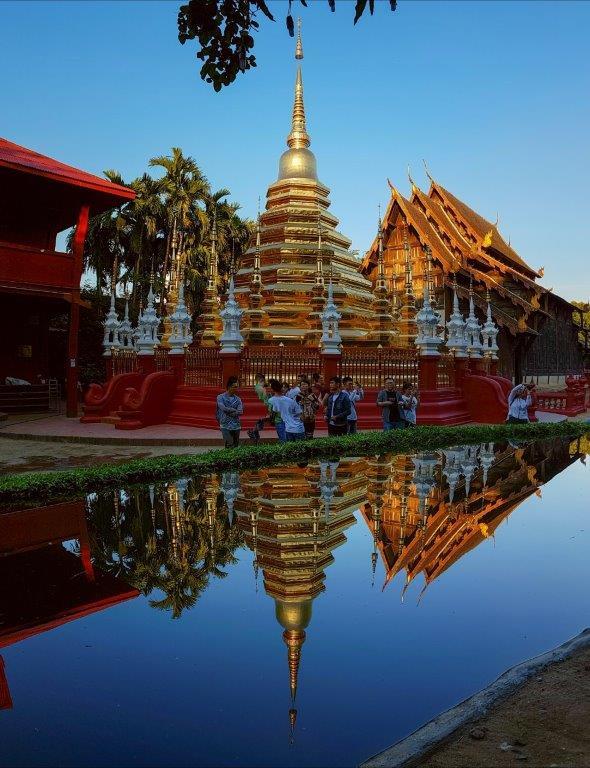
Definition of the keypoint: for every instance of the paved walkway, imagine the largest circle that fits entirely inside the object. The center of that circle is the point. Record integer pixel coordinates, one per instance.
(38, 443)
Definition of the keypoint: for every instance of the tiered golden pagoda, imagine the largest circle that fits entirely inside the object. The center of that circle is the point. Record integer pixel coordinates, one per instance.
(299, 244)
(293, 518)
(209, 320)
(172, 282)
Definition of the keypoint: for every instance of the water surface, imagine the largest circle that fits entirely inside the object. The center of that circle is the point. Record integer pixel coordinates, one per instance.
(292, 616)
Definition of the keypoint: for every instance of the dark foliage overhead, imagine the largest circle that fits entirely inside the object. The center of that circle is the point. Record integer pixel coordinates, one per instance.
(225, 29)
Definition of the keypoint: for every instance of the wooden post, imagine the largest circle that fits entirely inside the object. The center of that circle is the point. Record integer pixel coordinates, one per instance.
(72, 361)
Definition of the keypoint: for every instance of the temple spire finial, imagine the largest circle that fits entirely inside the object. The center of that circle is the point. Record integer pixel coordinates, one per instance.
(298, 137)
(299, 45)
(428, 172)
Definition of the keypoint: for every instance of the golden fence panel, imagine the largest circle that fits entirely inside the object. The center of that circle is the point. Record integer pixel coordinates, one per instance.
(370, 367)
(202, 367)
(124, 361)
(445, 372)
(282, 363)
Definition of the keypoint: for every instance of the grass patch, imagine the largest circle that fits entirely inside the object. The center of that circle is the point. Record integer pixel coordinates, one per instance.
(48, 485)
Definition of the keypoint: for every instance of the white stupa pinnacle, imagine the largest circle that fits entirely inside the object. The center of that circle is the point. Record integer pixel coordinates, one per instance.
(427, 320)
(469, 466)
(331, 340)
(111, 338)
(231, 315)
(230, 487)
(489, 333)
(148, 325)
(125, 327)
(473, 329)
(456, 342)
(180, 320)
(487, 458)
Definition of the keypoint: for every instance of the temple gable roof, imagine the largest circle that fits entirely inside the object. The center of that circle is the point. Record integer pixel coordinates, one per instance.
(487, 233)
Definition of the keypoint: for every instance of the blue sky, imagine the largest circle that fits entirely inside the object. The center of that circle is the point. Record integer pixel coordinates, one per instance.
(493, 94)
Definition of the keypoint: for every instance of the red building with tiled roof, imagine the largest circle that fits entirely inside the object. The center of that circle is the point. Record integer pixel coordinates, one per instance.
(39, 198)
(537, 332)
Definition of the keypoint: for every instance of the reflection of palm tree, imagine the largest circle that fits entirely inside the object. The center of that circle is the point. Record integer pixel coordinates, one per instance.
(177, 559)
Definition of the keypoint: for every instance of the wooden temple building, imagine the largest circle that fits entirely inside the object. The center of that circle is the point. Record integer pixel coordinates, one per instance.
(39, 198)
(438, 231)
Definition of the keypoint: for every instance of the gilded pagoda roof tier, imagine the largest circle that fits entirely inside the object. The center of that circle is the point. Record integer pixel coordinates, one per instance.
(296, 233)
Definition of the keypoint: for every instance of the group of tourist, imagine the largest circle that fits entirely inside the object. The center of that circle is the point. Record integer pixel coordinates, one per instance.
(292, 409)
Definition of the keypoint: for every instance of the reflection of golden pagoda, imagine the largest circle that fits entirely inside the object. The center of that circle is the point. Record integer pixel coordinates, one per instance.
(293, 518)
(428, 526)
(281, 284)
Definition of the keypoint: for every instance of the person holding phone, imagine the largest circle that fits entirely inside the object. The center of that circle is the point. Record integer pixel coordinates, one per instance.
(519, 401)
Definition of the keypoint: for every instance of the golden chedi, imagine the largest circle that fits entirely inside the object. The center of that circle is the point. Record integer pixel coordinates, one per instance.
(297, 250)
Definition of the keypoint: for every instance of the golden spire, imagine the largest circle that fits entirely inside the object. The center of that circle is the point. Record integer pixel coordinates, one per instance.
(381, 281)
(212, 281)
(298, 137)
(299, 46)
(256, 283)
(298, 162)
(294, 639)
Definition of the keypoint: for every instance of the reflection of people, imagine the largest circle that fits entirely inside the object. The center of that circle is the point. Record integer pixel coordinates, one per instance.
(519, 401)
(409, 404)
(290, 412)
(229, 410)
(355, 393)
(389, 402)
(338, 407)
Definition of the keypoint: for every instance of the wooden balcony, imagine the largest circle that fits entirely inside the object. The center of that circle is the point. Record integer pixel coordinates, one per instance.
(25, 269)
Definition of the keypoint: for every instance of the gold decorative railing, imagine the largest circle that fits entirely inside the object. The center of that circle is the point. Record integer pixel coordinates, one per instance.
(161, 359)
(445, 372)
(202, 367)
(370, 367)
(282, 363)
(124, 361)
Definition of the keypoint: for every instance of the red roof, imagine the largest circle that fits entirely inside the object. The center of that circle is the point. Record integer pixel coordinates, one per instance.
(22, 159)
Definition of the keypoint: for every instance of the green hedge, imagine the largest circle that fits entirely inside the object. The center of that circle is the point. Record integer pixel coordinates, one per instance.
(46, 485)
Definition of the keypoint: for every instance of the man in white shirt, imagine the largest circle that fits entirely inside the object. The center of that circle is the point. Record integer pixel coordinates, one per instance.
(290, 412)
(519, 402)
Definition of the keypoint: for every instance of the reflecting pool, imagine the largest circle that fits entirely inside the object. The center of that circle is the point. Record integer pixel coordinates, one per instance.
(291, 616)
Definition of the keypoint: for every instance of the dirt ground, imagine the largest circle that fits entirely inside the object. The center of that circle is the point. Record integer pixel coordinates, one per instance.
(545, 724)
(41, 456)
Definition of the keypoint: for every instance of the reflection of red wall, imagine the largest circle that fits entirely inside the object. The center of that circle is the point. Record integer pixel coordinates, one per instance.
(5, 699)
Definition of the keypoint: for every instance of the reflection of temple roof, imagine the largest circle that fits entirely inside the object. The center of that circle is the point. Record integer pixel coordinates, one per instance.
(451, 530)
